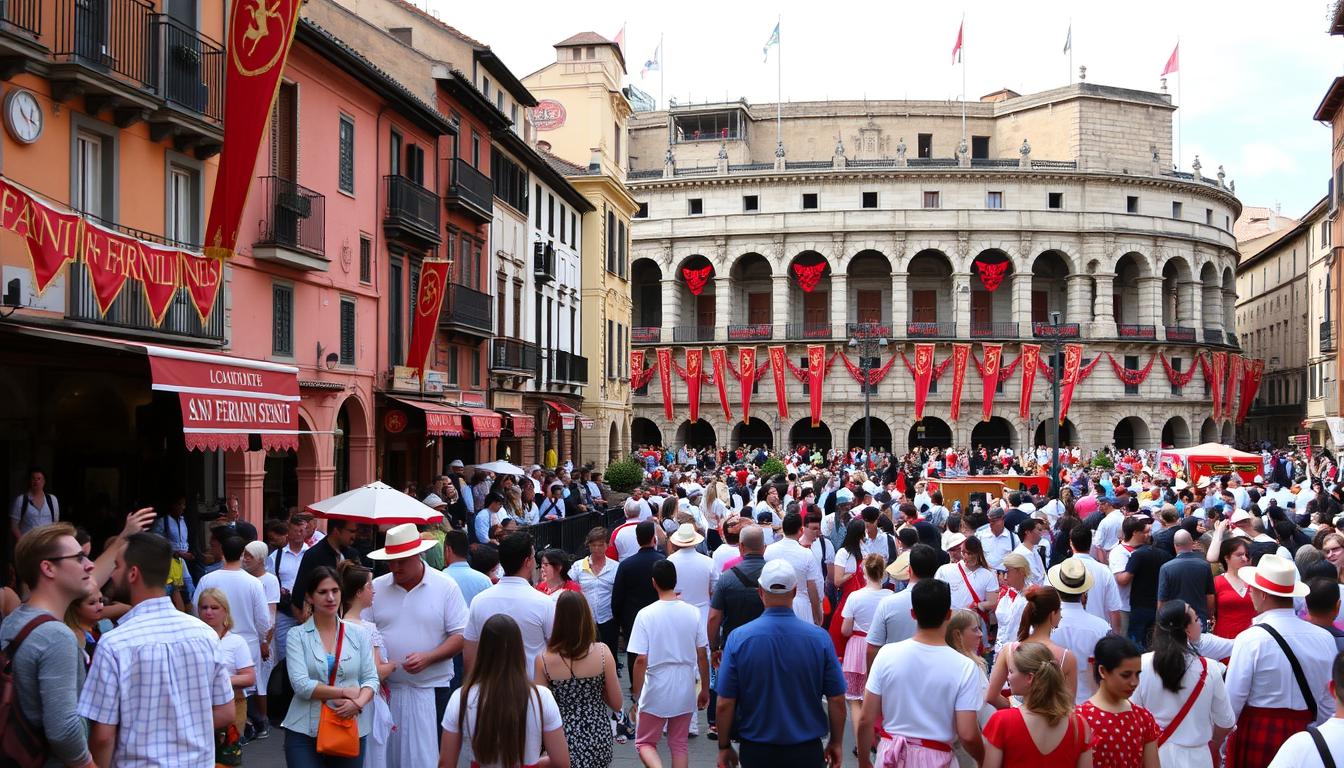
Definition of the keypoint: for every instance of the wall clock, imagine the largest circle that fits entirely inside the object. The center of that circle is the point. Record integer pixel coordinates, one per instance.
(23, 116)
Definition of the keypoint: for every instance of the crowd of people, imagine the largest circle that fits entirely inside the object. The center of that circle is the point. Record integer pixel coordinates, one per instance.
(1134, 616)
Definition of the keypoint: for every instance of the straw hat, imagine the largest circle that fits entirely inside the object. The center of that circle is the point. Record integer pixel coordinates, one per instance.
(1276, 576)
(402, 541)
(900, 567)
(686, 536)
(1070, 577)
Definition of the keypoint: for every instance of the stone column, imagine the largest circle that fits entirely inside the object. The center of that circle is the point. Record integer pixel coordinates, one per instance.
(779, 298)
(245, 475)
(961, 304)
(900, 303)
(1150, 300)
(1187, 303)
(723, 308)
(1229, 310)
(361, 452)
(839, 303)
(671, 307)
(1076, 309)
(1103, 308)
(1022, 302)
(1212, 304)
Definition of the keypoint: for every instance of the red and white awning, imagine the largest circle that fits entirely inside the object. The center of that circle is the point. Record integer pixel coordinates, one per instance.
(440, 420)
(484, 423)
(225, 399)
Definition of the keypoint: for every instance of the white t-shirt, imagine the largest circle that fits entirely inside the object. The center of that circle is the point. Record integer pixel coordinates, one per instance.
(1109, 530)
(985, 582)
(233, 653)
(539, 721)
(247, 604)
(663, 633)
(845, 562)
(948, 682)
(723, 554)
(805, 567)
(1299, 751)
(270, 586)
(514, 596)
(862, 605)
(695, 578)
(624, 540)
(1008, 613)
(1117, 559)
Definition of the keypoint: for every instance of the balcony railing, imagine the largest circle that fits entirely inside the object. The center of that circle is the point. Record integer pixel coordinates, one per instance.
(720, 135)
(411, 210)
(751, 332)
(568, 368)
(918, 330)
(693, 333)
(1043, 330)
(471, 190)
(467, 309)
(1214, 336)
(578, 369)
(1132, 331)
(513, 355)
(189, 67)
(293, 217)
(130, 310)
(543, 261)
(25, 15)
(1327, 336)
(868, 330)
(994, 330)
(110, 36)
(808, 331)
(1180, 333)
(646, 334)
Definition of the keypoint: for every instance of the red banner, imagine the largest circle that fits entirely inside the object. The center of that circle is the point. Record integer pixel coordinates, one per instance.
(428, 302)
(1031, 360)
(696, 279)
(257, 43)
(1073, 361)
(1255, 370)
(1233, 380)
(202, 276)
(923, 370)
(1179, 378)
(665, 379)
(1219, 365)
(746, 361)
(778, 365)
(989, 372)
(816, 374)
(110, 257)
(992, 272)
(960, 353)
(809, 275)
(52, 237)
(718, 357)
(157, 273)
(223, 402)
(695, 368)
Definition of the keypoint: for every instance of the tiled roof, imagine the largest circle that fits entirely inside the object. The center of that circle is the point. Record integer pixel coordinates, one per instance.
(585, 38)
(562, 166)
(1257, 221)
(436, 22)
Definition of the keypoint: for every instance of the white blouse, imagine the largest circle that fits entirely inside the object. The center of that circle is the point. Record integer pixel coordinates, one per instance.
(1212, 708)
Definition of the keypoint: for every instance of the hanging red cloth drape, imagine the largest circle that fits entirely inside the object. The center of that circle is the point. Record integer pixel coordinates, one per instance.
(875, 375)
(1129, 376)
(1255, 370)
(695, 367)
(1073, 361)
(1031, 360)
(816, 373)
(697, 279)
(665, 379)
(1179, 378)
(778, 364)
(1233, 381)
(923, 371)
(989, 373)
(746, 361)
(718, 357)
(1216, 384)
(959, 354)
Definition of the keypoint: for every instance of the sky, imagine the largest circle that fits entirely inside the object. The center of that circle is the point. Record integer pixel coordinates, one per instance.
(1251, 74)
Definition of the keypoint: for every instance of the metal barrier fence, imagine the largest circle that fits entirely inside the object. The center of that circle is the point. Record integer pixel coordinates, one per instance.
(568, 533)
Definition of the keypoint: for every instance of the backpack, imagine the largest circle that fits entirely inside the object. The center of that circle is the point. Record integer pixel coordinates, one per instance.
(20, 741)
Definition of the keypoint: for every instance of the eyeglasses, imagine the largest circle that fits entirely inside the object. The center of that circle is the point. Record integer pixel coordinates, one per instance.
(80, 556)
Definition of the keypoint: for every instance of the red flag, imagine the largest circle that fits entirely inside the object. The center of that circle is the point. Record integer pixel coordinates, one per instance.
(157, 273)
(923, 375)
(1249, 386)
(960, 354)
(695, 366)
(1173, 61)
(1073, 361)
(428, 302)
(956, 47)
(665, 379)
(1031, 358)
(1218, 364)
(816, 372)
(777, 365)
(1232, 381)
(202, 275)
(109, 257)
(990, 373)
(52, 237)
(718, 357)
(258, 43)
(746, 365)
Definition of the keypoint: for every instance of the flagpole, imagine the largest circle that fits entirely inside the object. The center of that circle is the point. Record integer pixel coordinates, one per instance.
(1180, 106)
(662, 70)
(1070, 42)
(779, 85)
(962, 53)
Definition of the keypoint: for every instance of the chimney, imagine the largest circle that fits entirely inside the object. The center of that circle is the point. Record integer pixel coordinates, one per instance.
(543, 145)
(595, 162)
(1274, 219)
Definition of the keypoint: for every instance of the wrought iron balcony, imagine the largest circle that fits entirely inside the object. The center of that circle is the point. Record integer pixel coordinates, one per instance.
(1180, 333)
(568, 368)
(21, 16)
(471, 191)
(994, 330)
(293, 225)
(1327, 336)
(693, 333)
(543, 261)
(646, 334)
(190, 68)
(808, 331)
(131, 311)
(1232, 340)
(1214, 336)
(869, 330)
(111, 37)
(1043, 330)
(513, 356)
(751, 332)
(467, 310)
(1133, 331)
(412, 214)
(578, 369)
(920, 330)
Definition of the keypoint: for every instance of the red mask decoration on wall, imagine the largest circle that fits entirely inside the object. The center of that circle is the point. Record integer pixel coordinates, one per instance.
(992, 273)
(697, 279)
(809, 275)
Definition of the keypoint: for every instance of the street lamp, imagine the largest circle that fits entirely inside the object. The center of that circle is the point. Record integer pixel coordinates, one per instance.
(864, 343)
(1057, 367)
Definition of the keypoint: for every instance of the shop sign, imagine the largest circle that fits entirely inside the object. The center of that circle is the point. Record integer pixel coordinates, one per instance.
(394, 421)
(404, 379)
(435, 381)
(548, 115)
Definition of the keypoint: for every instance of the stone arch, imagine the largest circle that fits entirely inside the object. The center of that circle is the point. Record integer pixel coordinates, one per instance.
(996, 433)
(697, 311)
(811, 309)
(803, 433)
(1176, 277)
(645, 432)
(868, 289)
(930, 432)
(1176, 433)
(1068, 433)
(1130, 268)
(352, 445)
(699, 434)
(1229, 300)
(1050, 271)
(878, 429)
(751, 281)
(613, 441)
(1226, 437)
(1208, 431)
(1131, 432)
(929, 287)
(754, 432)
(646, 293)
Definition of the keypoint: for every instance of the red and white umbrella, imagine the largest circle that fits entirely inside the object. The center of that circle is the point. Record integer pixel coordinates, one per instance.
(376, 504)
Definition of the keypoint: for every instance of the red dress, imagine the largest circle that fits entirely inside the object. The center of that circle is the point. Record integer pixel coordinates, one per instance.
(1234, 611)
(1007, 730)
(1118, 738)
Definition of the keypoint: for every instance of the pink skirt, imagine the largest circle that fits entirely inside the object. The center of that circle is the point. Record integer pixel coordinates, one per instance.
(898, 753)
(856, 654)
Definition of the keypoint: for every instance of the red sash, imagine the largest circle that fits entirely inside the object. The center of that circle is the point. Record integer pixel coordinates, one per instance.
(1185, 708)
(975, 600)
(853, 584)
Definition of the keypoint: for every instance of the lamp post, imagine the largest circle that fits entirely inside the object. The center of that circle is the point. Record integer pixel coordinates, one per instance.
(867, 344)
(1057, 367)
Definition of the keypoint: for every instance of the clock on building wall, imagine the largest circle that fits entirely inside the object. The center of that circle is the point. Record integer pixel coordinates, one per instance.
(23, 116)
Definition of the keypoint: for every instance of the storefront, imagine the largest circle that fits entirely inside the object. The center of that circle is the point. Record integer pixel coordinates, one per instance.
(563, 422)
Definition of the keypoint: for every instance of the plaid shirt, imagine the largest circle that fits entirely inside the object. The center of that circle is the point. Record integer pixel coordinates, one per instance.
(156, 677)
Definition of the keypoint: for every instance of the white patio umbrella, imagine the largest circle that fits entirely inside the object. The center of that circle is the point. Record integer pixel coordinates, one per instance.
(376, 504)
(502, 468)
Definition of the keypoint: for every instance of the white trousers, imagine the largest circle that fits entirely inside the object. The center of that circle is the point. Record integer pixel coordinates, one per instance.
(415, 742)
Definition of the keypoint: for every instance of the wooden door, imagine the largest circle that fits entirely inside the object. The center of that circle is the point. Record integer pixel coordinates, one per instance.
(758, 308)
(982, 307)
(925, 306)
(1118, 304)
(1040, 307)
(704, 311)
(816, 308)
(870, 306)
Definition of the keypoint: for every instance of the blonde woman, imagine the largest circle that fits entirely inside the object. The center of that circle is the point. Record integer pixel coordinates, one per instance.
(212, 607)
(716, 510)
(1044, 732)
(1041, 613)
(965, 635)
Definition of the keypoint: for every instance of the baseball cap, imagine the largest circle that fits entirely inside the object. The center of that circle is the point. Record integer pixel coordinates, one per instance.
(456, 464)
(778, 577)
(844, 496)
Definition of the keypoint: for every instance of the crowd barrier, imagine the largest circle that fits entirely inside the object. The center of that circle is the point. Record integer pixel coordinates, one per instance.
(568, 533)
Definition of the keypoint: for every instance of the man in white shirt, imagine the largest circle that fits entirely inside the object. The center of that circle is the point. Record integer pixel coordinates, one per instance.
(892, 621)
(247, 600)
(695, 572)
(875, 540)
(807, 600)
(1301, 750)
(284, 563)
(513, 595)
(1103, 601)
(1029, 531)
(421, 614)
(932, 714)
(1108, 531)
(1078, 631)
(623, 542)
(996, 538)
(1135, 532)
(1261, 685)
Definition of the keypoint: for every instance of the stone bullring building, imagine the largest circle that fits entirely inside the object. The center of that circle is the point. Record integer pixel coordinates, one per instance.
(853, 220)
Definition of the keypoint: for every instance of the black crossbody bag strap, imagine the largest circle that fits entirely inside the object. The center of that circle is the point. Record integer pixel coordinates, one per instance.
(1327, 759)
(1297, 669)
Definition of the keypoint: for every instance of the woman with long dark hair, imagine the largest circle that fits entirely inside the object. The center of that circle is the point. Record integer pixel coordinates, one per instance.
(1232, 608)
(485, 723)
(1126, 734)
(1173, 674)
(581, 673)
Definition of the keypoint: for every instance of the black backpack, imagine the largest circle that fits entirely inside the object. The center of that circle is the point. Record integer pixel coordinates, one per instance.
(24, 745)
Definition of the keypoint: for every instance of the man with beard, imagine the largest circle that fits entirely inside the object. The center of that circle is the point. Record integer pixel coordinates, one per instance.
(156, 692)
(330, 550)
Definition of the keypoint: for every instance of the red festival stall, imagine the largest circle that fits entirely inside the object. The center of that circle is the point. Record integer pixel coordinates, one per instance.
(1212, 459)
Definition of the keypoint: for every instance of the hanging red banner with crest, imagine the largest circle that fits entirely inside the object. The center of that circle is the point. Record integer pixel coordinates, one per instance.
(1031, 360)
(695, 369)
(746, 363)
(992, 272)
(718, 357)
(697, 279)
(816, 374)
(778, 367)
(1073, 361)
(1255, 370)
(923, 375)
(157, 273)
(1232, 382)
(809, 275)
(665, 379)
(202, 275)
(1219, 367)
(428, 301)
(960, 354)
(52, 237)
(989, 372)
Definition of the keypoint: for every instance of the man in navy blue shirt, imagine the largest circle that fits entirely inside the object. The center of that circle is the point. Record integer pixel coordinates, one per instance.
(773, 671)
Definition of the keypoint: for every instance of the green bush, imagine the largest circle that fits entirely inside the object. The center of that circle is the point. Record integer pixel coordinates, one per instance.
(772, 467)
(624, 475)
(1103, 460)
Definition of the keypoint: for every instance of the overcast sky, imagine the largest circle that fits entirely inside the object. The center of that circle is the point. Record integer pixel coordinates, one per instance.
(1251, 74)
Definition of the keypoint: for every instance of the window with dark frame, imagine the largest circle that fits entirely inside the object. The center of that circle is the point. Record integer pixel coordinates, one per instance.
(1132, 363)
(550, 214)
(346, 155)
(809, 201)
(924, 145)
(1054, 200)
(282, 320)
(1176, 366)
(643, 212)
(994, 200)
(695, 206)
(1132, 204)
(537, 214)
(365, 259)
(395, 314)
(751, 203)
(573, 230)
(347, 331)
(869, 200)
(1176, 209)
(931, 200)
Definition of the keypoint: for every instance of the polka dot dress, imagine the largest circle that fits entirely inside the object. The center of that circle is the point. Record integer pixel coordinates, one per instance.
(1119, 737)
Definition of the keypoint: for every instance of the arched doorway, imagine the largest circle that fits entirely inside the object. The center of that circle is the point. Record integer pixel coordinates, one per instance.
(754, 433)
(753, 294)
(803, 433)
(1049, 287)
(280, 488)
(694, 294)
(1226, 438)
(1131, 432)
(996, 433)
(931, 432)
(810, 295)
(1177, 280)
(696, 435)
(644, 432)
(870, 292)
(1128, 270)
(991, 293)
(646, 293)
(1068, 434)
(1176, 433)
(1208, 432)
(613, 443)
(881, 434)
(929, 290)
